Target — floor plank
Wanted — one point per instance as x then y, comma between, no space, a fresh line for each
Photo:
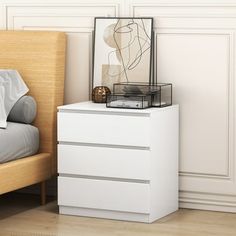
22,216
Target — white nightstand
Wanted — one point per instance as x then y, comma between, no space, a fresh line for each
117,163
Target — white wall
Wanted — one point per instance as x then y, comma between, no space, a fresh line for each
195,51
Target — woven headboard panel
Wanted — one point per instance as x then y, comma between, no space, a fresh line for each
40,59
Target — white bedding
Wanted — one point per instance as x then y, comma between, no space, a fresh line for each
18,141
12,87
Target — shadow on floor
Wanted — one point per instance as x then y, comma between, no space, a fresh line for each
14,203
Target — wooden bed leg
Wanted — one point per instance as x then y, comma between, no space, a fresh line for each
43,192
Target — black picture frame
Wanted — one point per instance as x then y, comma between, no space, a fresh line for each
98,38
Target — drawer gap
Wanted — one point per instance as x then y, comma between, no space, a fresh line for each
105,178
126,113
103,145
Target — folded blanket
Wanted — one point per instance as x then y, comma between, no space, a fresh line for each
12,87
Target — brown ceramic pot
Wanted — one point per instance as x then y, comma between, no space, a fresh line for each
99,94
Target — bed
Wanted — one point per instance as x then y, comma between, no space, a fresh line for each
40,59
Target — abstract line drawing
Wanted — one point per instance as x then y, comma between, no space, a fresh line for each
122,50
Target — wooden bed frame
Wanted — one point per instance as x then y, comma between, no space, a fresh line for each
40,59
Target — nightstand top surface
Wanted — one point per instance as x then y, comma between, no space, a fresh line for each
98,107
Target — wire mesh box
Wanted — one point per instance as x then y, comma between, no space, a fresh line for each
161,93
132,101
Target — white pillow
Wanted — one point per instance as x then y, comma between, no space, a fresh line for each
12,87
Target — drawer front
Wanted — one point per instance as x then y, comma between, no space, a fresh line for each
103,194
104,129
103,161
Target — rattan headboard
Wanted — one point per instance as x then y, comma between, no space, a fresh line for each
40,59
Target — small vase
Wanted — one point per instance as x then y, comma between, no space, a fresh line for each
99,94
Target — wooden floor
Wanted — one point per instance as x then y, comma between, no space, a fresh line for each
21,215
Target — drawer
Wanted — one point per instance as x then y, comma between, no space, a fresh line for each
104,161
129,130
103,194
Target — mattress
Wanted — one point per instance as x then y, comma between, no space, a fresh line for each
18,141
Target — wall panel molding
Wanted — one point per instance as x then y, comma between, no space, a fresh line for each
181,21
228,170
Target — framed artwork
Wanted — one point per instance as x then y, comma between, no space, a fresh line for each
122,50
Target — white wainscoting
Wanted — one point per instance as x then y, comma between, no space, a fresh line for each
195,50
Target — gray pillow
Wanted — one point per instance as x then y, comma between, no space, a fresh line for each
24,110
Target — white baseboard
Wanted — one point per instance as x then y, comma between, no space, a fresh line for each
207,201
